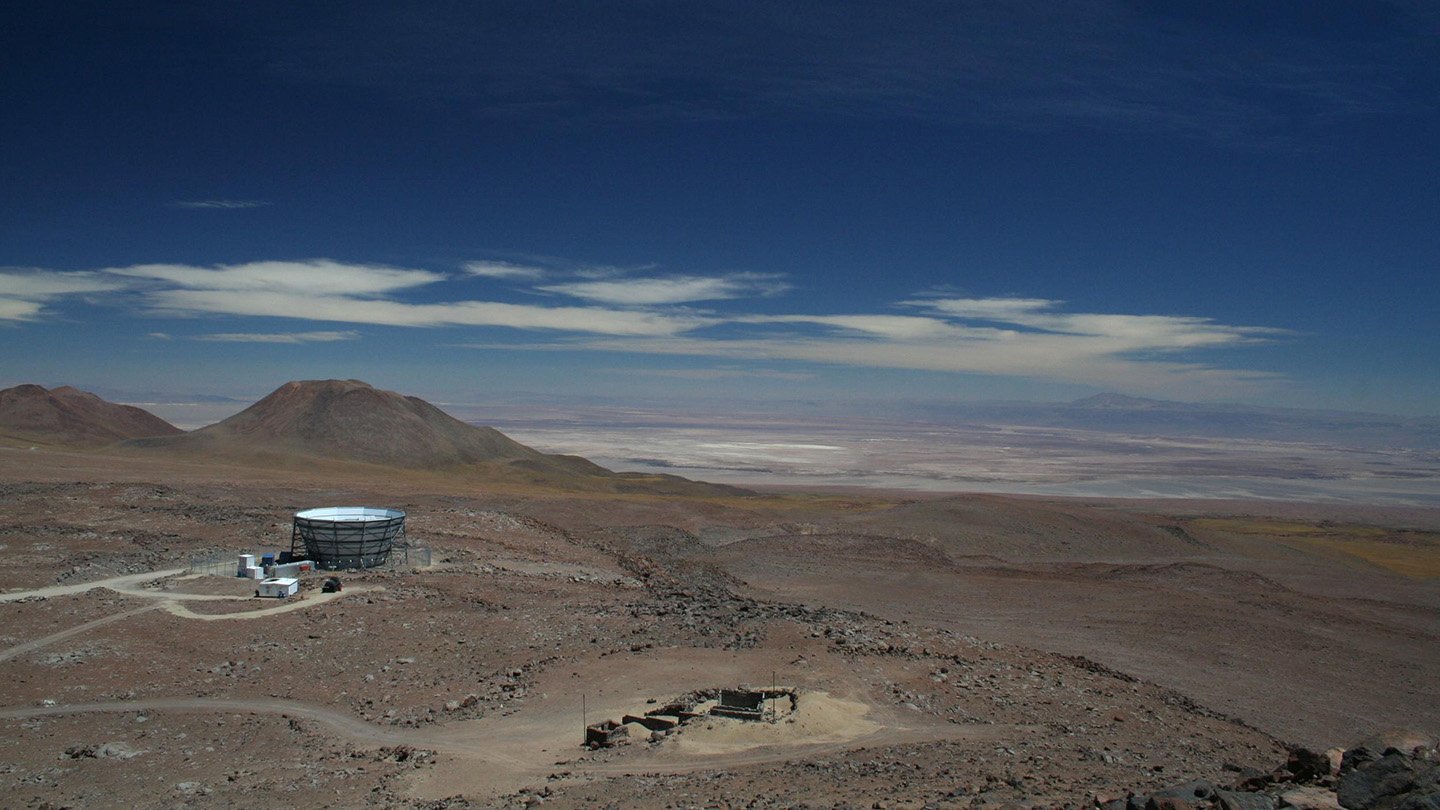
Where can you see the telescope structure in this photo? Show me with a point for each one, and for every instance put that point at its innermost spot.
(337, 537)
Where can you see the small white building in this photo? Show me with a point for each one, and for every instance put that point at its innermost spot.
(279, 588)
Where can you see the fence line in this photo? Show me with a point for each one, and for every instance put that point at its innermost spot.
(227, 563)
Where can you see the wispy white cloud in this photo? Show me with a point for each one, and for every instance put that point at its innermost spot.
(220, 204)
(506, 270)
(725, 373)
(1024, 337)
(160, 336)
(18, 309)
(1010, 336)
(279, 337)
(894, 327)
(310, 277)
(24, 292)
(41, 284)
(671, 289)
(987, 309)
(1119, 332)
(345, 309)
(323, 290)
(1037, 356)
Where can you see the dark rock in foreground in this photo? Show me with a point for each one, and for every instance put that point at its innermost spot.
(1392, 771)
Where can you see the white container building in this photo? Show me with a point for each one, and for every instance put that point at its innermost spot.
(280, 588)
(291, 569)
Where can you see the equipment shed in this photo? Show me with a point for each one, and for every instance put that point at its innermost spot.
(279, 588)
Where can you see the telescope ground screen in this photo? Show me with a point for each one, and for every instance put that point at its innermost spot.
(348, 536)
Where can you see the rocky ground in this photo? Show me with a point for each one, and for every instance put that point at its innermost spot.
(464, 683)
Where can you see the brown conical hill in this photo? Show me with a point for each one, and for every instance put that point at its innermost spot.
(66, 415)
(352, 421)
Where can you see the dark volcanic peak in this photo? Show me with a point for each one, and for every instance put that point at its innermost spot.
(67, 415)
(349, 420)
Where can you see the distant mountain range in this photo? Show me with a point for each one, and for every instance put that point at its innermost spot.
(1107, 413)
(352, 421)
(69, 416)
(1117, 413)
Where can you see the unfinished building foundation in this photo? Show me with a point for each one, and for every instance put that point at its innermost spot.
(605, 734)
(741, 703)
(749, 704)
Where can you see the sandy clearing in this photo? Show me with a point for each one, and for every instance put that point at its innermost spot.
(508, 766)
(818, 718)
(544, 738)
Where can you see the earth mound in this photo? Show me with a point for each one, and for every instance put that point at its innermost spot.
(352, 421)
(67, 415)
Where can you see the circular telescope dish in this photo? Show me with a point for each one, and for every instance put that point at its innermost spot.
(349, 536)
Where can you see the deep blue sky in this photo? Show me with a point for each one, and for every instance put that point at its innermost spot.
(1209, 200)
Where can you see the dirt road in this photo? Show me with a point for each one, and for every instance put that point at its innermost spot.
(127, 585)
(169, 601)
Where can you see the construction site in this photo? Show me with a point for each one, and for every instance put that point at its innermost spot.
(769, 705)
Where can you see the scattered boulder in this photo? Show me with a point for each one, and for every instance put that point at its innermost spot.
(109, 750)
(1390, 771)
(1189, 791)
(1243, 800)
(1376, 746)
(1309, 798)
(193, 789)
(1395, 781)
(1336, 756)
(117, 750)
(1306, 765)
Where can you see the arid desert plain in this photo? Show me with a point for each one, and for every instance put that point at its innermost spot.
(945, 650)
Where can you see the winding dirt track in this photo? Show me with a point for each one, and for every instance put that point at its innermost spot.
(176, 608)
(125, 584)
(35, 644)
(512, 752)
(349, 726)
(169, 601)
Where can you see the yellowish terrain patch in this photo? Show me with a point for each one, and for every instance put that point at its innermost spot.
(1409, 553)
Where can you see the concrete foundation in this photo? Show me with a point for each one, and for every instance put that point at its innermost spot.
(606, 734)
(742, 703)
(654, 722)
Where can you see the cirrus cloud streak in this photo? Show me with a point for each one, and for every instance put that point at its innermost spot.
(646, 314)
(279, 337)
